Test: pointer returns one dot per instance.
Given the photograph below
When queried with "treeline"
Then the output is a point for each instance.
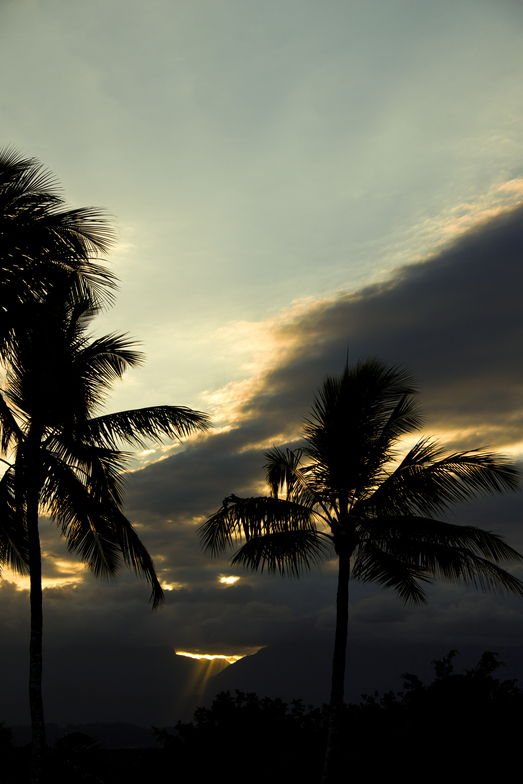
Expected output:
(461, 724)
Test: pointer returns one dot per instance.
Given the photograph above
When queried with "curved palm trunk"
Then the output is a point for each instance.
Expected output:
(332, 753)
(36, 704)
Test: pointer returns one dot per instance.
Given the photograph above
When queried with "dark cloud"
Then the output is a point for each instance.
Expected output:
(455, 321)
(173, 488)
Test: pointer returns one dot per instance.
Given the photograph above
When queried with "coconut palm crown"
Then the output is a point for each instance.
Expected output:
(42, 242)
(63, 457)
(347, 493)
(62, 454)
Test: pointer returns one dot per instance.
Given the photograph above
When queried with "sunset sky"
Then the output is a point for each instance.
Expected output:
(289, 181)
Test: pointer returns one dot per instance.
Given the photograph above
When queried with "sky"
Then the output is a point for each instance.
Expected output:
(289, 182)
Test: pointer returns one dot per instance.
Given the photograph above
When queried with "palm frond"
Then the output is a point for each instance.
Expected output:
(102, 536)
(248, 518)
(460, 565)
(100, 470)
(443, 550)
(82, 492)
(479, 572)
(280, 469)
(30, 199)
(97, 364)
(427, 483)
(42, 242)
(301, 483)
(355, 420)
(87, 524)
(363, 397)
(142, 425)
(382, 567)
(414, 534)
(87, 509)
(381, 449)
(10, 429)
(13, 537)
(404, 418)
(137, 558)
(290, 552)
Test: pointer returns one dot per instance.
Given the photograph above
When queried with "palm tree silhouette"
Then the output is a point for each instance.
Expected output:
(43, 243)
(63, 459)
(347, 490)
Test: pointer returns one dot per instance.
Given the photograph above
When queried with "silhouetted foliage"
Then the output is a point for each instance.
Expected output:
(75, 757)
(468, 722)
(45, 245)
(283, 740)
(347, 494)
(63, 457)
(460, 725)
(9, 759)
(465, 722)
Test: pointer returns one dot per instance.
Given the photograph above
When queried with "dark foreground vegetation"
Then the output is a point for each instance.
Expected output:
(469, 723)
(345, 494)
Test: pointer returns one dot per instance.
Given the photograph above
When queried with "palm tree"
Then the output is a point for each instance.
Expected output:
(43, 243)
(347, 490)
(63, 459)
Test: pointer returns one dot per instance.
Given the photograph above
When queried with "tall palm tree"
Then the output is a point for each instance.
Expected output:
(346, 490)
(43, 243)
(63, 459)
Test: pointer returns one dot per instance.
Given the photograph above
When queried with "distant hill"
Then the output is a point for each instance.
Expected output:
(152, 686)
(84, 685)
(302, 670)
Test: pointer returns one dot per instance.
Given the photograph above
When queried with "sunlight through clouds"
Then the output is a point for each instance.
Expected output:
(228, 580)
(211, 657)
(68, 573)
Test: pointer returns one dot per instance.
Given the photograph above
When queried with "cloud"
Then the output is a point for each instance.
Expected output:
(454, 320)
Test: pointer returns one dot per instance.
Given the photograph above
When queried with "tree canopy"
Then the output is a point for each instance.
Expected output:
(44, 243)
(348, 493)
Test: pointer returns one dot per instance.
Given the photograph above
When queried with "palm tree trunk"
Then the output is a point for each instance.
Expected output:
(332, 753)
(36, 704)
